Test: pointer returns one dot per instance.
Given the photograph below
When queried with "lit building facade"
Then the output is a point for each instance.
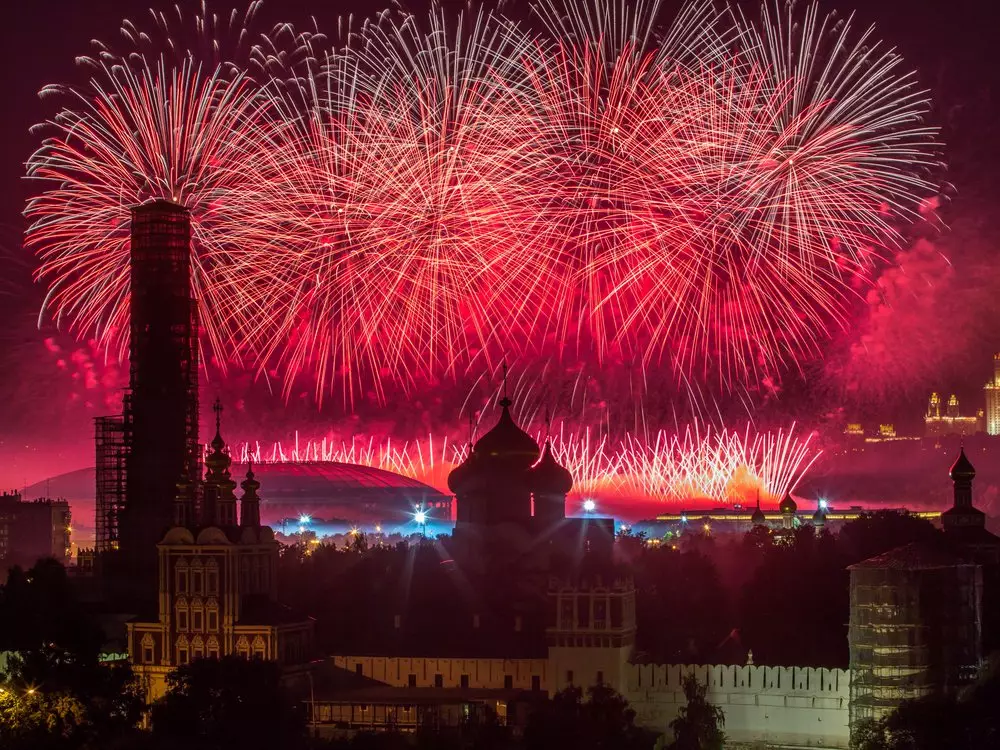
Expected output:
(951, 421)
(217, 585)
(992, 392)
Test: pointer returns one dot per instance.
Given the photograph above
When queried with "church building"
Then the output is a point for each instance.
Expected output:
(217, 583)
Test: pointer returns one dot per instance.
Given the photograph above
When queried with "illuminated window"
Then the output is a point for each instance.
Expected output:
(147, 649)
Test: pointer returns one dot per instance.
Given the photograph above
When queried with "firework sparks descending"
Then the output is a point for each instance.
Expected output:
(430, 192)
(698, 464)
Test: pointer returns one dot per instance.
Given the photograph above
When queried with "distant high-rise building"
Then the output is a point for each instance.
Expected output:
(951, 422)
(162, 451)
(992, 390)
(31, 531)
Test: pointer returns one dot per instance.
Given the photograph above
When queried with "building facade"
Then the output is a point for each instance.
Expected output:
(940, 422)
(217, 585)
(33, 530)
(992, 392)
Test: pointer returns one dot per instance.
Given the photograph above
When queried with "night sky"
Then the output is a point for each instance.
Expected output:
(941, 339)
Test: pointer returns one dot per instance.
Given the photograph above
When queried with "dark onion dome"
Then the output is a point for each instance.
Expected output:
(962, 468)
(788, 505)
(462, 478)
(547, 477)
(758, 518)
(819, 517)
(508, 442)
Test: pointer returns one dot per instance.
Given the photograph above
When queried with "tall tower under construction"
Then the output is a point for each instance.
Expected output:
(162, 452)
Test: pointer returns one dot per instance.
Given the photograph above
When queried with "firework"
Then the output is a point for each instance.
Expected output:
(704, 198)
(698, 464)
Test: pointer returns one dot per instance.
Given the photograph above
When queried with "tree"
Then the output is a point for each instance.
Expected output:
(698, 725)
(228, 703)
(604, 721)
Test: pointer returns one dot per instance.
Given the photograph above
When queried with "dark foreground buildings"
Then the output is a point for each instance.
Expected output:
(33, 530)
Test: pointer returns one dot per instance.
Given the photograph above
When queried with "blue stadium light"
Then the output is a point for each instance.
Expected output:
(420, 517)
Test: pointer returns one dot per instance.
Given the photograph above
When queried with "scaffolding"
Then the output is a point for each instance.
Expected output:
(109, 473)
(915, 628)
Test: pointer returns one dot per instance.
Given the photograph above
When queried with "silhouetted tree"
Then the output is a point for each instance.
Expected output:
(604, 722)
(699, 724)
(228, 703)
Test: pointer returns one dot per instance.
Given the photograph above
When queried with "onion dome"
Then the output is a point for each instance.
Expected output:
(250, 502)
(962, 469)
(819, 517)
(462, 476)
(547, 477)
(217, 461)
(788, 505)
(508, 442)
(758, 518)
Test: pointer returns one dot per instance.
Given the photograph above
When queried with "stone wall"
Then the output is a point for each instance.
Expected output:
(480, 673)
(798, 707)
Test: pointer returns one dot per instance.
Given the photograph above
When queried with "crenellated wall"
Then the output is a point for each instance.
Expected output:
(780, 706)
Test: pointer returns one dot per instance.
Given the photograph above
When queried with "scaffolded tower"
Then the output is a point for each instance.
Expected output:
(109, 441)
(915, 628)
(161, 410)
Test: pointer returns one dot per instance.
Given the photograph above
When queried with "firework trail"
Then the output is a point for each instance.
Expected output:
(707, 198)
(699, 464)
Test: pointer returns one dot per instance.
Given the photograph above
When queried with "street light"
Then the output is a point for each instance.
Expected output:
(589, 506)
(420, 516)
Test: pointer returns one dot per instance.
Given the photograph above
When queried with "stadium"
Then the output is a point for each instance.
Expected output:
(324, 496)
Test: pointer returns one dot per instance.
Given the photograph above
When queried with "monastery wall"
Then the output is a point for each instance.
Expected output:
(799, 707)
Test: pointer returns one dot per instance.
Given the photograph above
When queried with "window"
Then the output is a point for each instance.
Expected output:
(196, 620)
(198, 649)
(508, 682)
(196, 581)
(464, 682)
(213, 649)
(147, 653)
(569, 676)
(212, 581)
(359, 670)
(182, 655)
(182, 581)
(438, 681)
(213, 619)
(536, 682)
(600, 677)
(411, 681)
(182, 618)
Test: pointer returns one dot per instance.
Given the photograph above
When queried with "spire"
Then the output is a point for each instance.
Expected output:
(250, 502)
(962, 474)
(219, 498)
(505, 401)
(217, 442)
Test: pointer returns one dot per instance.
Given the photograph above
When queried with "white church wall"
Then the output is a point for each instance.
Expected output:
(780, 706)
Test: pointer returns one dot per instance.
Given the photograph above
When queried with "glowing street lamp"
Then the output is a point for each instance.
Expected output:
(420, 516)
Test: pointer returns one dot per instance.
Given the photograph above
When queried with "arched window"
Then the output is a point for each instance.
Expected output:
(212, 578)
(181, 577)
(212, 650)
(183, 653)
(147, 649)
(259, 648)
(243, 647)
(197, 648)
(212, 616)
(197, 616)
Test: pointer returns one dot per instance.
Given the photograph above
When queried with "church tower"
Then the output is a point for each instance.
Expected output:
(217, 584)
